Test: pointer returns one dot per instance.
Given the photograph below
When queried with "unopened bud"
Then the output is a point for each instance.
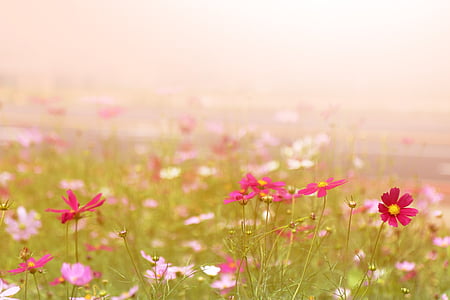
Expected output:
(405, 290)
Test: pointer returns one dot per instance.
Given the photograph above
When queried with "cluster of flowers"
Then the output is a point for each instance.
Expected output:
(269, 190)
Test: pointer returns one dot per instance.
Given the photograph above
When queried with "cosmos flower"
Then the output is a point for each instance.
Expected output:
(127, 295)
(394, 209)
(241, 196)
(262, 185)
(32, 265)
(24, 225)
(75, 211)
(76, 274)
(321, 187)
(443, 242)
(6, 291)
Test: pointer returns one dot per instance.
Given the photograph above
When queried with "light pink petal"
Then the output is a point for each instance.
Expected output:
(10, 291)
(405, 200)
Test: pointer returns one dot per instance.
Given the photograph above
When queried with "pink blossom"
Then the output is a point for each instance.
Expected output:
(225, 282)
(109, 112)
(127, 295)
(31, 265)
(76, 274)
(405, 266)
(321, 187)
(76, 211)
(23, 225)
(442, 242)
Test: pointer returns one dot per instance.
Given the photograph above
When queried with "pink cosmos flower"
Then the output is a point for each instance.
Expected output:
(226, 282)
(161, 269)
(127, 295)
(442, 242)
(110, 112)
(394, 209)
(231, 265)
(76, 274)
(261, 185)
(405, 266)
(75, 211)
(32, 265)
(24, 225)
(241, 196)
(321, 187)
(186, 123)
(6, 291)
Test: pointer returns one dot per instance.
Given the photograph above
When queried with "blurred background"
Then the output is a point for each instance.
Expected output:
(379, 69)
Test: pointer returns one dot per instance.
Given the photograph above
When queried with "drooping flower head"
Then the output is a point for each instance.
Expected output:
(241, 196)
(76, 274)
(76, 211)
(32, 265)
(393, 209)
(321, 187)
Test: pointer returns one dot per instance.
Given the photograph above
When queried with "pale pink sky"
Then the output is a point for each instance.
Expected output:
(343, 49)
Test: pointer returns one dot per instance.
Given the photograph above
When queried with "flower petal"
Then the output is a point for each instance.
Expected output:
(404, 220)
(322, 192)
(405, 200)
(408, 211)
(11, 291)
(394, 193)
(393, 221)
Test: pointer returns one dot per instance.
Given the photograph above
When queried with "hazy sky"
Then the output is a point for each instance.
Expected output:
(339, 48)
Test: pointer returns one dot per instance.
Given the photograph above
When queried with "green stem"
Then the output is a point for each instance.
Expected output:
(346, 256)
(3, 217)
(76, 240)
(26, 285)
(138, 273)
(37, 286)
(372, 257)
(292, 235)
(307, 262)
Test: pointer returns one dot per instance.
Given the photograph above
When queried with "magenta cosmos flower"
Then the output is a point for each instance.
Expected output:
(262, 185)
(76, 210)
(394, 209)
(321, 187)
(31, 264)
(76, 274)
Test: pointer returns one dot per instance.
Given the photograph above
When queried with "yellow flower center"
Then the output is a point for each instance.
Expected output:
(322, 184)
(394, 209)
(88, 296)
(31, 264)
(262, 182)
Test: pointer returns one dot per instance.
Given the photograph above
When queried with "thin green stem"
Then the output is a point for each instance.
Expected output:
(76, 240)
(346, 255)
(307, 262)
(2, 217)
(26, 285)
(372, 257)
(138, 273)
(37, 286)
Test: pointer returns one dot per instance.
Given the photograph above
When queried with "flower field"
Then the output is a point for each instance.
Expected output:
(204, 210)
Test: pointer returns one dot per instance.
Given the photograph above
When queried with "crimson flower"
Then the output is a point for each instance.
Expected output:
(321, 187)
(394, 209)
(31, 264)
(76, 210)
